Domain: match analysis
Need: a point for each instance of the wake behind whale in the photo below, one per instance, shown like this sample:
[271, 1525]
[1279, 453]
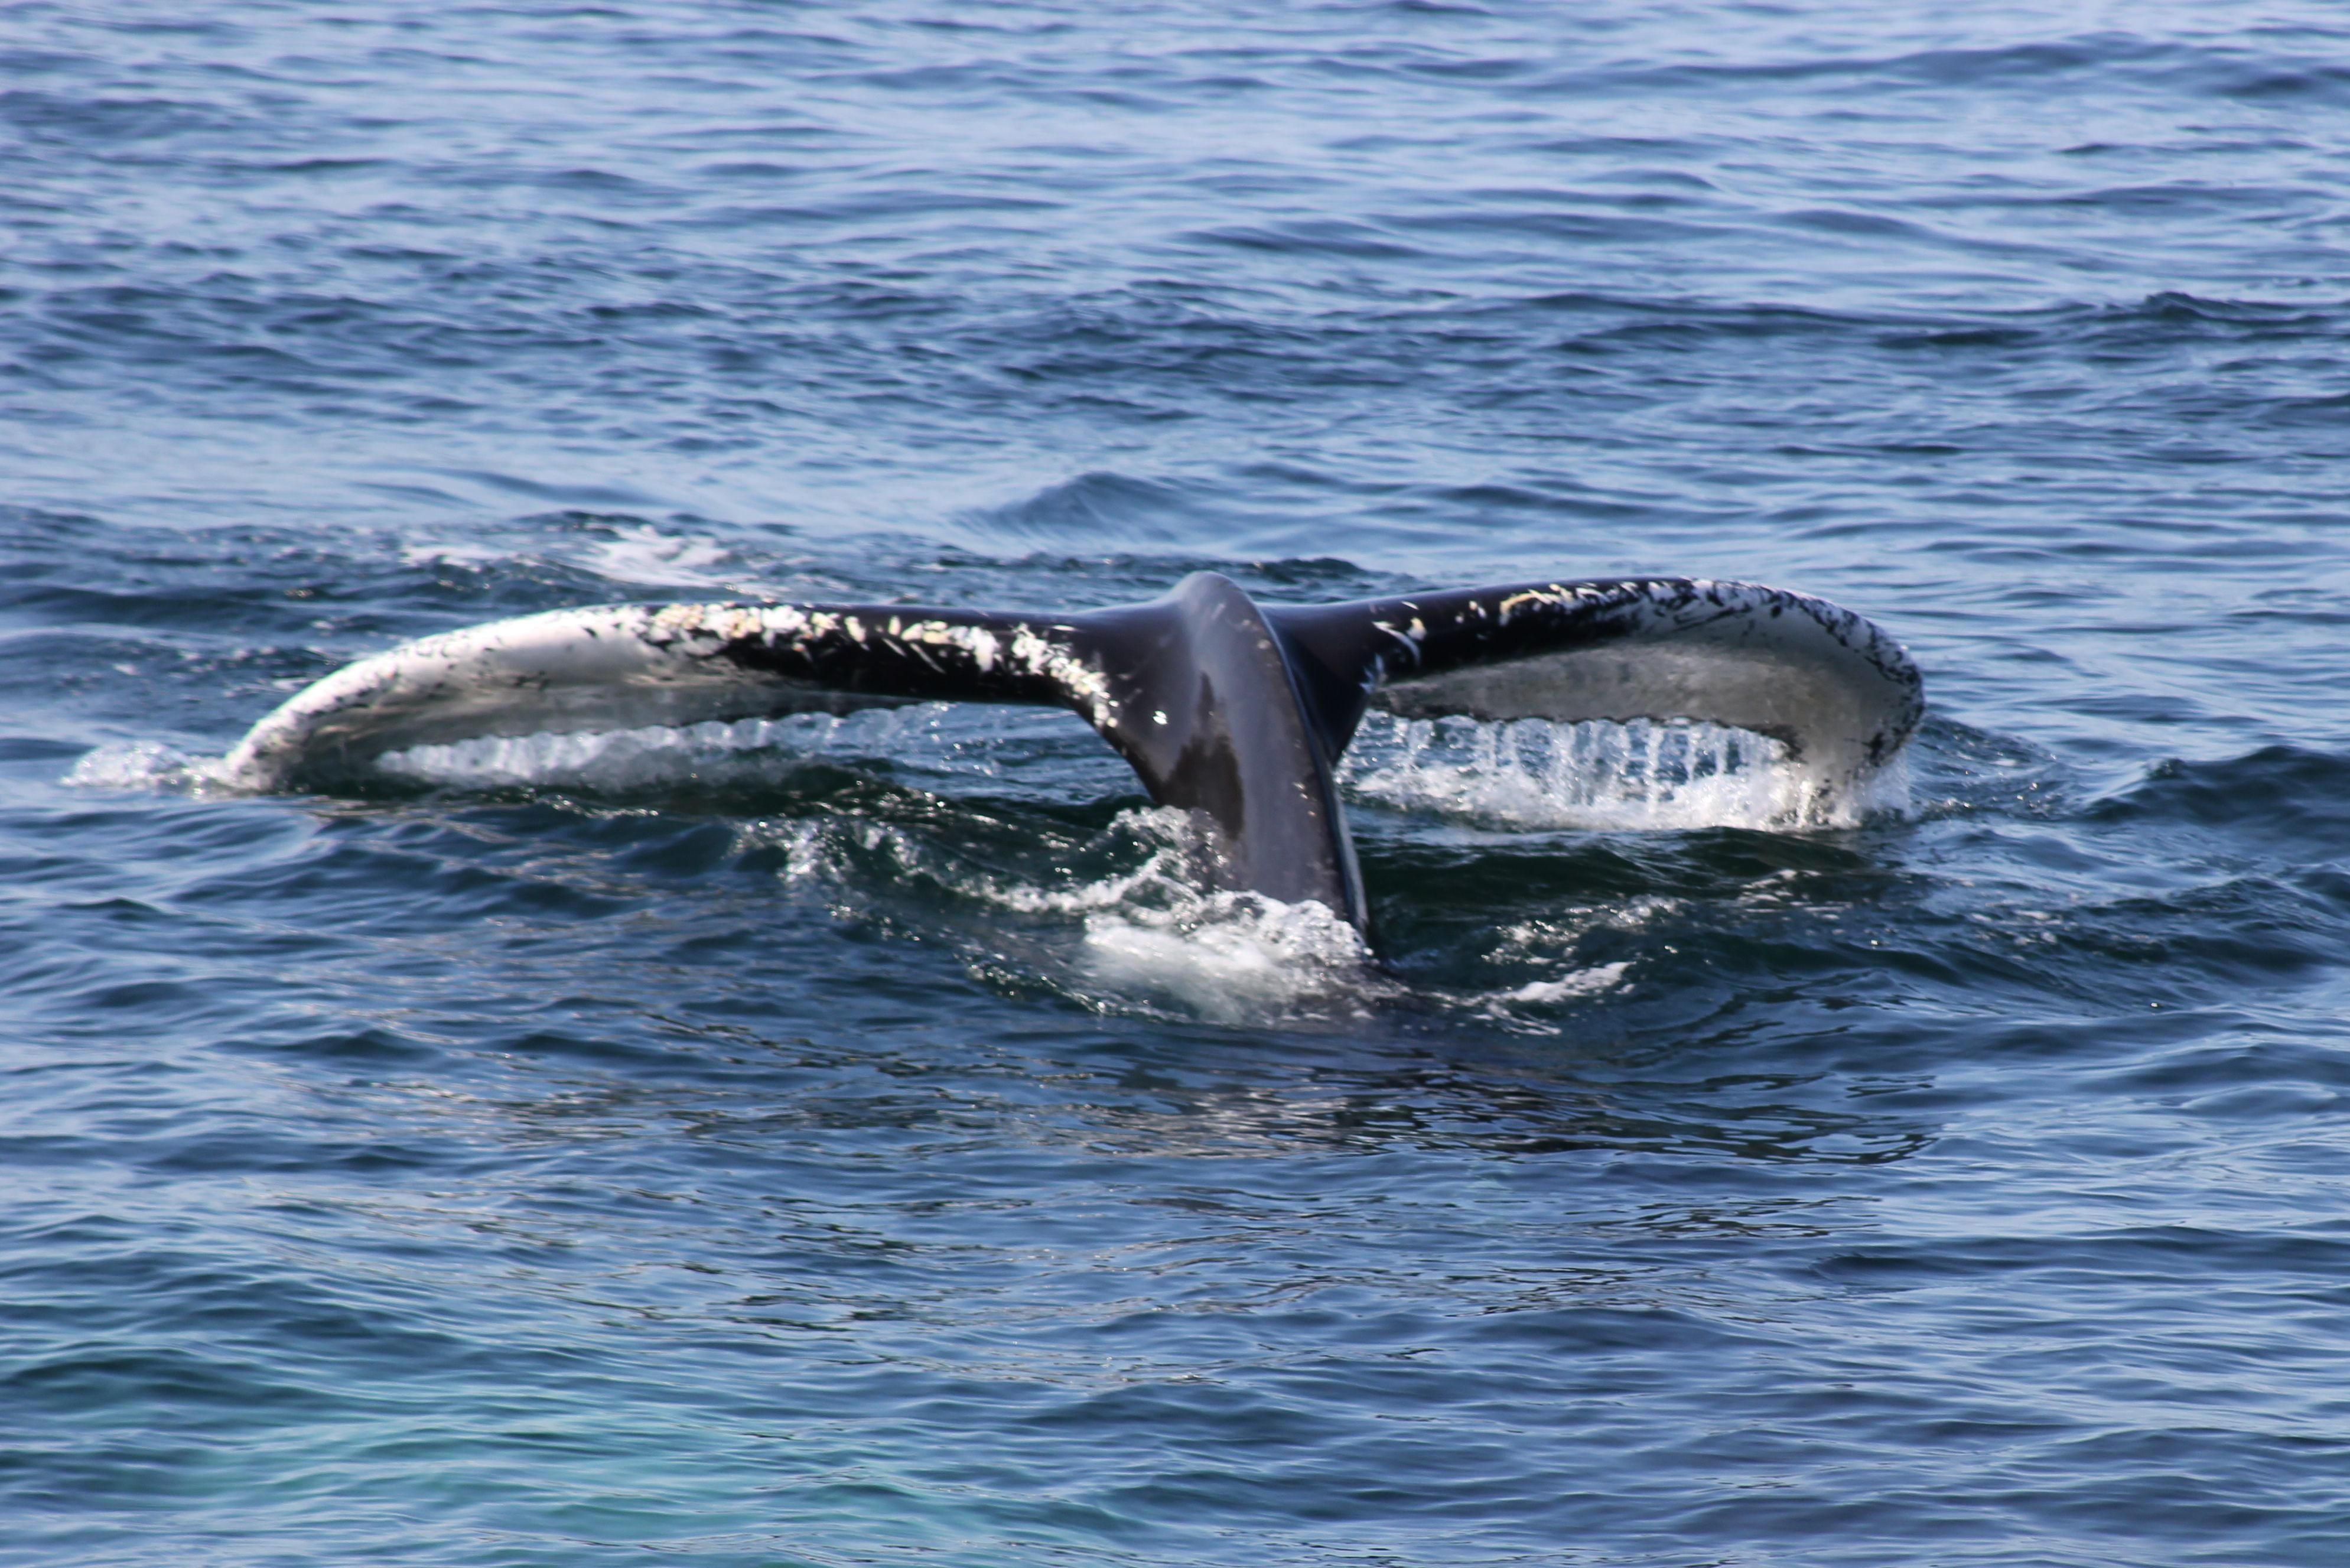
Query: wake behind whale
[1235, 713]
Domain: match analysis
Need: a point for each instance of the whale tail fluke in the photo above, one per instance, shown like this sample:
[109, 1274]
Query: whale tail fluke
[1234, 711]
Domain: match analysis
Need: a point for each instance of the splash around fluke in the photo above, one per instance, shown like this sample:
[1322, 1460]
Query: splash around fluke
[1233, 711]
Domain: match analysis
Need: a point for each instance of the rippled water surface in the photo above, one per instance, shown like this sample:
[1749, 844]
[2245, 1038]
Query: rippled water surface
[852, 1142]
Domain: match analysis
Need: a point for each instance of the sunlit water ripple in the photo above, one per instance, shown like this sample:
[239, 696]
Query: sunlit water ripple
[851, 1142]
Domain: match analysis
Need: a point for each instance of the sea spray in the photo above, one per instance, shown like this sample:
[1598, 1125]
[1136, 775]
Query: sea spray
[1534, 774]
[1115, 919]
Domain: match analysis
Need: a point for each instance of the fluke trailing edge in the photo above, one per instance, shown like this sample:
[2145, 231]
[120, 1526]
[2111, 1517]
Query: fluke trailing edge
[1236, 710]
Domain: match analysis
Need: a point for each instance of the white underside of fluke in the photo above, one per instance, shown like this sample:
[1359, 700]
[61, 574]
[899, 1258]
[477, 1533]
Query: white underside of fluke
[1824, 682]
[623, 667]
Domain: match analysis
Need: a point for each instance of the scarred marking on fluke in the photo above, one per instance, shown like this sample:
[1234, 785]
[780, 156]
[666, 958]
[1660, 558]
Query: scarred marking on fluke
[1088, 687]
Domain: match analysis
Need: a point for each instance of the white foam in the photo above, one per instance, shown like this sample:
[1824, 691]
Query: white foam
[1231, 956]
[1532, 773]
[147, 768]
[1575, 982]
[1555, 941]
[639, 554]
[645, 554]
[744, 751]
[593, 760]
[1145, 934]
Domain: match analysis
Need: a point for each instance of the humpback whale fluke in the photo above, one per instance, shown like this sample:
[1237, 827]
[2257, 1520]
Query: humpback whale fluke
[1236, 710]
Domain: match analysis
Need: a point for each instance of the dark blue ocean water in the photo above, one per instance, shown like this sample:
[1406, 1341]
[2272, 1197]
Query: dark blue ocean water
[842, 1144]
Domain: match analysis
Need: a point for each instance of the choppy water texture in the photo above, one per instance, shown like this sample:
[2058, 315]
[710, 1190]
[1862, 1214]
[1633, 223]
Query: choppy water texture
[851, 1143]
